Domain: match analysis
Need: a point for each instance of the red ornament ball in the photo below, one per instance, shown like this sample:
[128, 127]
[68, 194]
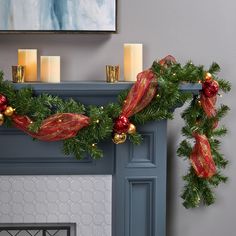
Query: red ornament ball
[210, 88]
[3, 103]
[121, 125]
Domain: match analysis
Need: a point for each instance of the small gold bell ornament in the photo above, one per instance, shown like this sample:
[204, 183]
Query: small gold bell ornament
[119, 138]
[132, 129]
[9, 111]
[1, 119]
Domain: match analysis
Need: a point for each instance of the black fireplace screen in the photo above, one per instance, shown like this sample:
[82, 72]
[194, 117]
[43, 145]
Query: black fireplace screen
[48, 229]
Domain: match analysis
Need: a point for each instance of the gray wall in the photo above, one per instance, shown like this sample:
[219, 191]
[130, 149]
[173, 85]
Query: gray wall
[199, 30]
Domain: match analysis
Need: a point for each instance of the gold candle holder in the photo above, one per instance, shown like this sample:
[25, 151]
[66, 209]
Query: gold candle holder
[112, 73]
[18, 74]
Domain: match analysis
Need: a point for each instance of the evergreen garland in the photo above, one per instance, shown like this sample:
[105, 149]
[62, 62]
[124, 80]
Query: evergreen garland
[169, 97]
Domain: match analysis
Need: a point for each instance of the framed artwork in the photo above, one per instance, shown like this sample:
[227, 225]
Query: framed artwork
[58, 16]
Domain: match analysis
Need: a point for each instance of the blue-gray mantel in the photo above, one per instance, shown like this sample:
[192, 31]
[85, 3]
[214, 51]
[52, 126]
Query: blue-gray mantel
[139, 172]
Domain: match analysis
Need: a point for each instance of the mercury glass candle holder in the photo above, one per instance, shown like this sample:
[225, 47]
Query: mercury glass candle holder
[18, 74]
[112, 73]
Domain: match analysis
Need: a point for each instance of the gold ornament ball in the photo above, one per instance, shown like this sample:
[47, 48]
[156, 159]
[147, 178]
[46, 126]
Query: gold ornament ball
[132, 129]
[9, 111]
[1, 119]
[208, 76]
[119, 138]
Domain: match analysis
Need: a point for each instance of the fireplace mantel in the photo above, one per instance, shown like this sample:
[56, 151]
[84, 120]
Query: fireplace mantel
[139, 172]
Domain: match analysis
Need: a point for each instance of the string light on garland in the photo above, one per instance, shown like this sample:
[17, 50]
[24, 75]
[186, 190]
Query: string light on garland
[199, 103]
[151, 98]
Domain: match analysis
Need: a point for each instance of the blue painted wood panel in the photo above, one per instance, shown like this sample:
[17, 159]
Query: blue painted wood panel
[139, 187]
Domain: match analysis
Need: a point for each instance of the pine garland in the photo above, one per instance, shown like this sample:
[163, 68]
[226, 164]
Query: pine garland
[169, 97]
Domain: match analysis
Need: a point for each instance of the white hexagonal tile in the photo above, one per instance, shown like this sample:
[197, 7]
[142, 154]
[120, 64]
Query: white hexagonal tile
[85, 200]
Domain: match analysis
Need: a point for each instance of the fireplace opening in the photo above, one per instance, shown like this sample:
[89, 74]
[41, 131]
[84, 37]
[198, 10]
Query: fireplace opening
[47, 229]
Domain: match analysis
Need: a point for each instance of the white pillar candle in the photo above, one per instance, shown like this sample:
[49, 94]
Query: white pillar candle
[28, 58]
[50, 69]
[133, 61]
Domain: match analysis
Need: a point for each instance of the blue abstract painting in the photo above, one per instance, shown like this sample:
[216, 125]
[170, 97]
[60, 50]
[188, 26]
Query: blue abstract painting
[57, 15]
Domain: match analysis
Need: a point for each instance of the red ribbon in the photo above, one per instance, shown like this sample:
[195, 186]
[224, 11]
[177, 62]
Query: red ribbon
[208, 105]
[56, 127]
[144, 90]
[167, 61]
[141, 93]
[201, 157]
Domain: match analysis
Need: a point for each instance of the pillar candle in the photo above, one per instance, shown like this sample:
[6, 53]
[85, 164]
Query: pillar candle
[50, 69]
[133, 61]
[28, 59]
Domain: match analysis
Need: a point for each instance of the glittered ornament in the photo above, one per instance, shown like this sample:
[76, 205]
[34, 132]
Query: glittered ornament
[119, 138]
[3, 102]
[121, 125]
[132, 129]
[3, 108]
[210, 88]
[1, 119]
[9, 111]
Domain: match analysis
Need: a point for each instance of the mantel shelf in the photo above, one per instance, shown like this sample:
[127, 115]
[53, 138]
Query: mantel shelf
[94, 86]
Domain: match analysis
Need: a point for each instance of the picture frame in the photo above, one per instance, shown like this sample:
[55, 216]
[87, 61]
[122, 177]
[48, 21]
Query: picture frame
[58, 16]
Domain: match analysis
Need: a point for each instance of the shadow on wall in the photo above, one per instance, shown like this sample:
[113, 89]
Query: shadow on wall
[81, 40]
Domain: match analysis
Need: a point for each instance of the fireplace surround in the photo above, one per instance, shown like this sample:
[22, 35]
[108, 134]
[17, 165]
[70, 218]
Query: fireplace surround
[138, 172]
